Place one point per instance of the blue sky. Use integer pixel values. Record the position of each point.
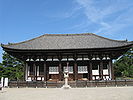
(25, 19)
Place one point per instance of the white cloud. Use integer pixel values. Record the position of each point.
(98, 14)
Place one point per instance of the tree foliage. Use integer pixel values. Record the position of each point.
(123, 67)
(11, 67)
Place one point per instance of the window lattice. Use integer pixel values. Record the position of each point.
(70, 68)
(82, 68)
(53, 69)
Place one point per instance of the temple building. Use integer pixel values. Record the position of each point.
(89, 56)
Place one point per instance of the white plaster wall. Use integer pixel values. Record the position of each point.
(95, 72)
(105, 72)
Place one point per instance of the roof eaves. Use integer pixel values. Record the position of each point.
(109, 39)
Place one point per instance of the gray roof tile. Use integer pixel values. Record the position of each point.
(67, 41)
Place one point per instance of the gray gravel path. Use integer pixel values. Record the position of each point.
(100, 93)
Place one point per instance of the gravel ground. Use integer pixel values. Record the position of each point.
(99, 93)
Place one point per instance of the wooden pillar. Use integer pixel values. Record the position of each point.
(39, 66)
(75, 71)
(108, 66)
(38, 71)
(60, 69)
(35, 70)
(45, 72)
(101, 69)
(33, 78)
(45, 67)
(26, 71)
(111, 69)
(90, 70)
(75, 68)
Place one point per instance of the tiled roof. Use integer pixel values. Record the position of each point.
(67, 41)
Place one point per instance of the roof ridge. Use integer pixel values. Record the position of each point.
(69, 34)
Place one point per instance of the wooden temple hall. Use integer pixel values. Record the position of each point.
(87, 56)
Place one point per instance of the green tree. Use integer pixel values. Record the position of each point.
(1, 70)
(123, 67)
(12, 67)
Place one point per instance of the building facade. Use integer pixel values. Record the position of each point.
(89, 56)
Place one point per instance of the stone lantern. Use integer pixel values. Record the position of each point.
(66, 76)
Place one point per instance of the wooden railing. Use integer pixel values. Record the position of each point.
(73, 84)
